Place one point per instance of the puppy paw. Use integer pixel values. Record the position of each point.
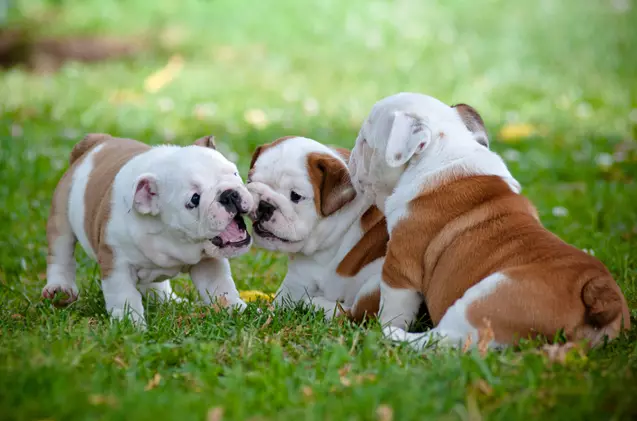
(60, 294)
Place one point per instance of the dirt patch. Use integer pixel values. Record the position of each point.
(19, 48)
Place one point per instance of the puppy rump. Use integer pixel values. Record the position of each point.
(86, 145)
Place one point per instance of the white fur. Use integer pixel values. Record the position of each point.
(409, 143)
(318, 244)
(155, 246)
(454, 328)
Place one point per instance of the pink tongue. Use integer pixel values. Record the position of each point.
(232, 233)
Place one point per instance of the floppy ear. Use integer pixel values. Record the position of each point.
(408, 136)
(206, 142)
(333, 187)
(145, 199)
(474, 123)
(255, 155)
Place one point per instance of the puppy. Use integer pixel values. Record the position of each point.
(146, 214)
(463, 237)
(306, 206)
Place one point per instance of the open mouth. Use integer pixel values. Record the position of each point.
(263, 233)
(235, 234)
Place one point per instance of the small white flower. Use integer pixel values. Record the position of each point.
(511, 155)
(311, 106)
(589, 251)
(165, 104)
(257, 118)
(559, 211)
(16, 131)
(604, 160)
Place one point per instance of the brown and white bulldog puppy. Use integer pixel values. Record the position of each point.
(146, 214)
(306, 206)
(462, 236)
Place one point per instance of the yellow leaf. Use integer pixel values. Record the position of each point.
(511, 133)
(384, 413)
(165, 75)
(253, 295)
(153, 383)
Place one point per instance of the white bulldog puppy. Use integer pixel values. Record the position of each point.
(465, 240)
(306, 206)
(146, 214)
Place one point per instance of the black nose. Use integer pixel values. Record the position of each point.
(265, 211)
(231, 201)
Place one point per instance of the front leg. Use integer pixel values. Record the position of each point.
(122, 297)
(213, 279)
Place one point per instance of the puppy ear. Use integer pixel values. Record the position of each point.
(408, 136)
(206, 142)
(145, 199)
(255, 155)
(333, 187)
(474, 123)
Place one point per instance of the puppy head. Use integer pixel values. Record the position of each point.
(398, 129)
(297, 185)
(198, 194)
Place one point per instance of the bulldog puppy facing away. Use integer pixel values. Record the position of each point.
(146, 214)
(306, 206)
(463, 237)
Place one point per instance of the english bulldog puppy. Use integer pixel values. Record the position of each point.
(307, 207)
(463, 237)
(146, 214)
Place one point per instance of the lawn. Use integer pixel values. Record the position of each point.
(554, 81)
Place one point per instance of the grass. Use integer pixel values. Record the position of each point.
(252, 72)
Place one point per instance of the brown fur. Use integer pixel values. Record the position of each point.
(330, 178)
(467, 228)
(366, 306)
(371, 246)
(473, 121)
(206, 142)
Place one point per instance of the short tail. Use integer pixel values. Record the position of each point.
(605, 306)
(86, 144)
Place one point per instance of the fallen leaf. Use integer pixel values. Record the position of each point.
(384, 413)
(511, 133)
(17, 316)
(220, 303)
(485, 336)
(165, 75)
(343, 371)
(307, 391)
(559, 352)
(153, 383)
(102, 400)
(215, 414)
(346, 382)
(467, 344)
(484, 387)
(254, 295)
(267, 323)
(117, 360)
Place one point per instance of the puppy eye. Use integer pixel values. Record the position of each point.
(295, 197)
(236, 174)
(194, 201)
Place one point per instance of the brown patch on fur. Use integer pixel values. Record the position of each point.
(333, 187)
(365, 306)
(466, 229)
(206, 142)
(473, 121)
(343, 152)
(260, 149)
(371, 246)
(58, 223)
(107, 162)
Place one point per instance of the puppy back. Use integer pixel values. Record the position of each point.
(83, 146)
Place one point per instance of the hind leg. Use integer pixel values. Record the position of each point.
(455, 327)
(60, 270)
(160, 291)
